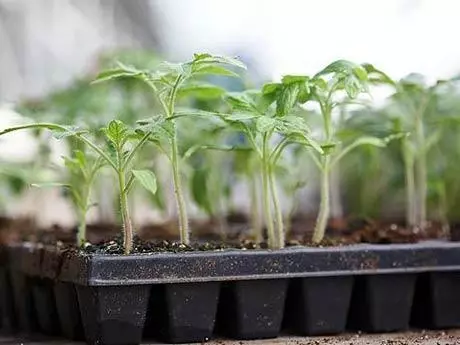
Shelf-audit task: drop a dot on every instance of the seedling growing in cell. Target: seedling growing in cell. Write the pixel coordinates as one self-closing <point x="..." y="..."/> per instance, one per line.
<point x="261" y="115"/>
<point x="123" y="144"/>
<point x="81" y="173"/>
<point x="409" y="107"/>
<point x="166" y="82"/>
<point x="340" y="82"/>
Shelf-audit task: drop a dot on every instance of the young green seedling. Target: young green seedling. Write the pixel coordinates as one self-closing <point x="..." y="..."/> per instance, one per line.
<point x="166" y="83"/>
<point x="261" y="115"/>
<point x="410" y="107"/>
<point x="123" y="144"/>
<point x="81" y="172"/>
<point x="325" y="88"/>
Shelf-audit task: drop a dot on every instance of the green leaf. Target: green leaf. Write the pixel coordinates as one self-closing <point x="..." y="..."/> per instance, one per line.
<point x="205" y="58"/>
<point x="241" y="102"/>
<point x="147" y="179"/>
<point x="376" y="76"/>
<point x="80" y="158"/>
<point x="360" y="72"/>
<point x="121" y="72"/>
<point x="342" y="67"/>
<point x="201" y="90"/>
<point x="116" y="132"/>
<point x="294" y="79"/>
<point x="215" y="70"/>
<point x="265" y="124"/>
<point x="270" y="88"/>
<point x="199" y="189"/>
<point x="306" y="140"/>
<point x="287" y="98"/>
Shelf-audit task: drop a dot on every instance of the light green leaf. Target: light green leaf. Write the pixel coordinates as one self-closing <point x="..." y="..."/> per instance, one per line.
<point x="121" y="72"/>
<point x="201" y="90"/>
<point x="265" y="124"/>
<point x="205" y="58"/>
<point x="215" y="70"/>
<point x="241" y="102"/>
<point x="294" y="79"/>
<point x="287" y="99"/>
<point x="147" y="179"/>
<point x="199" y="189"/>
<point x="270" y="88"/>
<point x="116" y="132"/>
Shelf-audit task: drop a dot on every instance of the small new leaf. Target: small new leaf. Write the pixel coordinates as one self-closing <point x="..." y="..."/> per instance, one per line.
<point x="116" y="132"/>
<point x="147" y="179"/>
<point x="265" y="124"/>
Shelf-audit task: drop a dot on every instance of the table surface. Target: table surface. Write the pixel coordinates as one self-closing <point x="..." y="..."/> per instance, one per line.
<point x="450" y="337"/>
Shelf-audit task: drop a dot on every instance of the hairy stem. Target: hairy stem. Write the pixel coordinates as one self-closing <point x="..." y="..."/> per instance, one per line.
<point x="323" y="215"/>
<point x="81" y="235"/>
<point x="278" y="214"/>
<point x="421" y="174"/>
<point x="266" y="193"/>
<point x="180" y="201"/>
<point x="125" y="217"/>
<point x="410" y="185"/>
<point x="256" y="222"/>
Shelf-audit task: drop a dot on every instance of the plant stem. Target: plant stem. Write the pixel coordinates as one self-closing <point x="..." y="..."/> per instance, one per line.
<point x="255" y="215"/>
<point x="183" y="220"/>
<point x="323" y="215"/>
<point x="126" y="219"/>
<point x="266" y="193"/>
<point x="81" y="235"/>
<point x="410" y="185"/>
<point x="421" y="174"/>
<point x="278" y="214"/>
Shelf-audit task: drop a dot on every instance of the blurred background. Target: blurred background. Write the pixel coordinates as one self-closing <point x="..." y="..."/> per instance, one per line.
<point x="46" y="44"/>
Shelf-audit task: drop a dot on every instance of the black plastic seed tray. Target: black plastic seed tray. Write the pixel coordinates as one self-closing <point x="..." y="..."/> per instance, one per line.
<point x="245" y="294"/>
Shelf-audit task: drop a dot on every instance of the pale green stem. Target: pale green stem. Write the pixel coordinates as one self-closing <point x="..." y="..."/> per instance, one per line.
<point x="255" y="215"/>
<point x="81" y="235"/>
<point x="126" y="219"/>
<point x="266" y="193"/>
<point x="323" y="215"/>
<point x="180" y="201"/>
<point x="410" y="185"/>
<point x="278" y="214"/>
<point x="421" y="174"/>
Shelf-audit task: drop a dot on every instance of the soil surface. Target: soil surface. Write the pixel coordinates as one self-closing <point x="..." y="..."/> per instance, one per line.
<point x="106" y="238"/>
<point x="451" y="337"/>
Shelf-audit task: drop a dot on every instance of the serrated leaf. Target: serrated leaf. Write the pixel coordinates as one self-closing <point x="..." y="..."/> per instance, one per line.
<point x="339" y="66"/>
<point x="287" y="99"/>
<point x="241" y="102"/>
<point x="147" y="179"/>
<point x="205" y="58"/>
<point x="265" y="124"/>
<point x="66" y="131"/>
<point x="116" y="132"/>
